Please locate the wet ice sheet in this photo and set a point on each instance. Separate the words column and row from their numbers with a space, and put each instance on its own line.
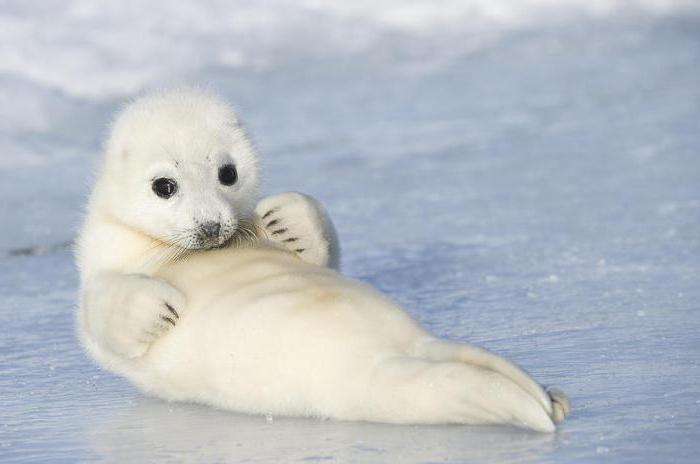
column 539, row 197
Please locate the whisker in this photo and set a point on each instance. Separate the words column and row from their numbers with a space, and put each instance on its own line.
column 177, row 244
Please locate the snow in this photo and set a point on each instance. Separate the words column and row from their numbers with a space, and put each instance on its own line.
column 521, row 175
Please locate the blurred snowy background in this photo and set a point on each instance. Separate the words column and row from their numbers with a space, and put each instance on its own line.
column 524, row 175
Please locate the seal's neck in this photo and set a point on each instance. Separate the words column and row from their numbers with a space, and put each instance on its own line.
column 115, row 246
column 118, row 247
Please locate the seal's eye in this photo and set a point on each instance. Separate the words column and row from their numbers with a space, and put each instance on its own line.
column 164, row 187
column 228, row 174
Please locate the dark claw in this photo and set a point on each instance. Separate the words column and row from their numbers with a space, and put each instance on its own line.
column 299, row 250
column 269, row 212
column 168, row 319
column 290, row 239
column 279, row 231
column 172, row 310
column 272, row 223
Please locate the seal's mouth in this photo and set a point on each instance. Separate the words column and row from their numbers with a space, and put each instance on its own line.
column 244, row 233
column 200, row 241
column 209, row 244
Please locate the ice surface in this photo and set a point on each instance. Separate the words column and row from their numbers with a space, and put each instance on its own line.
column 517, row 174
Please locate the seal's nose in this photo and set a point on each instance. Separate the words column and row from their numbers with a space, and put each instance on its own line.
column 211, row 229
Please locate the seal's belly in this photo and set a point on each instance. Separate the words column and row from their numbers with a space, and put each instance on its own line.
column 248, row 308
column 233, row 279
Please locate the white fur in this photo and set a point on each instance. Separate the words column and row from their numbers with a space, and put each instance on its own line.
column 255, row 328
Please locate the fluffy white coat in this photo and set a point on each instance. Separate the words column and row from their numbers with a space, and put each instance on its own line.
column 264, row 324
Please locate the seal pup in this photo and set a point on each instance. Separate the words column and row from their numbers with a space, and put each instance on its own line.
column 195, row 291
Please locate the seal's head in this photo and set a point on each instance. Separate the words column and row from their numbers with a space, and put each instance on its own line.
column 179, row 168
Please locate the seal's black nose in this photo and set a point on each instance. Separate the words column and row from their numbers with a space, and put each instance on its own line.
column 211, row 229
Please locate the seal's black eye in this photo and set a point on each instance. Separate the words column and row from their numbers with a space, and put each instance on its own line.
column 228, row 174
column 164, row 187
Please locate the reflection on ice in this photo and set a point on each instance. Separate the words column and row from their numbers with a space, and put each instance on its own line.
column 150, row 430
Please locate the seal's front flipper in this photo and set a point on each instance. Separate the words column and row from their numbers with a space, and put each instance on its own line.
column 126, row 313
column 299, row 223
